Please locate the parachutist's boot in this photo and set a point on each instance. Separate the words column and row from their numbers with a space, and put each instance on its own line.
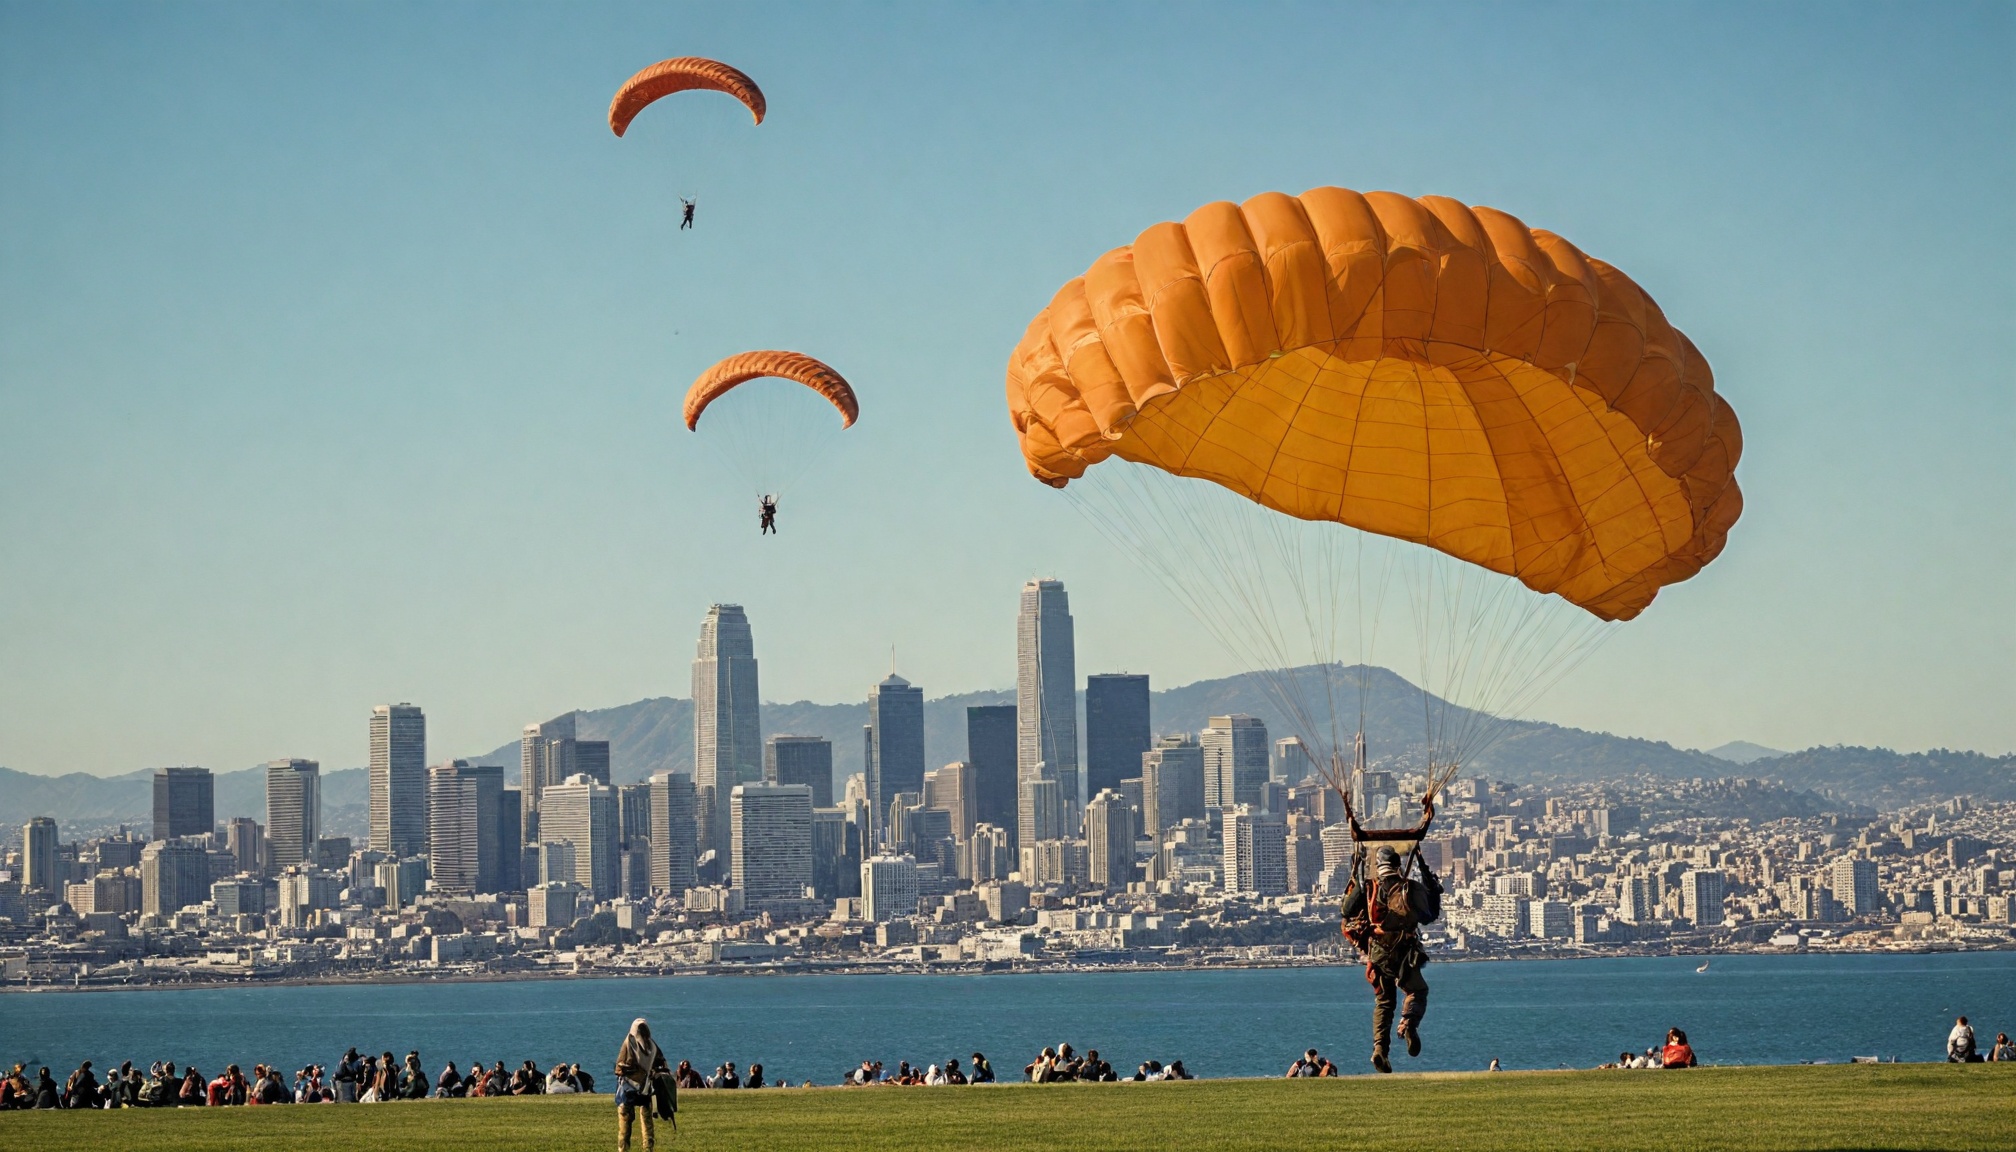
column 1410, row 1031
column 1379, row 1060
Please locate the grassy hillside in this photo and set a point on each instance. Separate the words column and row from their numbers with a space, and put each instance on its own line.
column 1908, row 1106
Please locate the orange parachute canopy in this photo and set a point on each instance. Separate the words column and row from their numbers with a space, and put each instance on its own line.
column 1413, row 368
column 681, row 75
column 794, row 366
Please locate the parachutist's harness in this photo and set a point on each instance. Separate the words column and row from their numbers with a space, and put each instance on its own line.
column 1386, row 935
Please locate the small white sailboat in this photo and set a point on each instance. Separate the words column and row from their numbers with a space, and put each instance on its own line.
column 1703, row 967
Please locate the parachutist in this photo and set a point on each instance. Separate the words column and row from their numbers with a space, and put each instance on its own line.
column 1384, row 918
column 686, row 212
column 768, row 507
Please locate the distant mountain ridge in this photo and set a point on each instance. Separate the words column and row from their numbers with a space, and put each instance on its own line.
column 656, row 735
column 1744, row 752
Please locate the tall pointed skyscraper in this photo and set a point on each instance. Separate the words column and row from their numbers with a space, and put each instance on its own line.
column 398, row 780
column 727, row 739
column 1046, row 697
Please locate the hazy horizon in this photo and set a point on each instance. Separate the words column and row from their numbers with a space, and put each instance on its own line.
column 341, row 348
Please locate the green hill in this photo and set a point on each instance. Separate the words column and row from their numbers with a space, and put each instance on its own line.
column 1914, row 1106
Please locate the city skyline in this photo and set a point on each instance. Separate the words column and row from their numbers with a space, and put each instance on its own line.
column 1858, row 600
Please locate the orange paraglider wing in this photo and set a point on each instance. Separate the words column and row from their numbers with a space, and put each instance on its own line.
column 683, row 74
column 793, row 366
column 1413, row 368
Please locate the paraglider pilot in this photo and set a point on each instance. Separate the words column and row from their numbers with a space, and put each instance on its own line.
column 686, row 208
column 1384, row 920
column 768, row 506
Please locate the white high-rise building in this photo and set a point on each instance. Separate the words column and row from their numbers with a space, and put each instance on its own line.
column 1256, row 852
column 546, row 756
column 1701, row 896
column 1172, row 784
column 1855, row 886
column 398, row 780
column 293, row 811
column 1109, row 840
column 727, row 736
column 771, row 840
column 888, row 888
column 1040, row 808
column 581, row 811
column 465, row 846
column 1046, row 695
column 673, row 832
column 1236, row 761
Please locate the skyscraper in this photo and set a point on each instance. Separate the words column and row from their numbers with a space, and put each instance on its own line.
column 949, row 789
column 546, row 755
column 836, row 854
column 293, row 812
column 1172, row 784
column 38, row 855
column 888, row 888
column 591, row 759
column 581, row 811
column 1109, row 840
column 673, row 834
column 727, row 739
column 245, row 840
column 1256, row 852
column 1236, row 757
column 1855, row 886
column 465, row 848
column 1701, row 897
column 1293, row 762
column 1116, row 729
column 510, row 818
column 398, row 780
column 184, row 803
column 896, row 740
column 1046, row 694
column 173, row 875
column 806, row 760
column 1041, row 815
column 990, row 753
column 771, row 840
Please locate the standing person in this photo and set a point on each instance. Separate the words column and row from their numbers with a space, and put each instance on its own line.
column 1678, row 1053
column 1959, row 1044
column 641, row 1073
column 347, row 1071
column 1384, row 920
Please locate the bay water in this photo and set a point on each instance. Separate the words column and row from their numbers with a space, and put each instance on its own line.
column 1745, row 1009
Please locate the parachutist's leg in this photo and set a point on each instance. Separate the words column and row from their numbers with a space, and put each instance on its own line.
column 1414, row 1009
column 1383, row 998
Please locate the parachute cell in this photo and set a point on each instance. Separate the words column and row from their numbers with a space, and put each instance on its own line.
column 684, row 74
column 1416, row 369
column 793, row 366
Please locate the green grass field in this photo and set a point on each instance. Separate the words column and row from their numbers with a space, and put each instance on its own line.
column 1923, row 1106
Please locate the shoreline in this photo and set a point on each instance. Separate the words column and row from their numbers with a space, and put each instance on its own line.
column 865, row 970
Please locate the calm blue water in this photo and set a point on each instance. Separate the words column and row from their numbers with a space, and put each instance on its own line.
column 1528, row 1014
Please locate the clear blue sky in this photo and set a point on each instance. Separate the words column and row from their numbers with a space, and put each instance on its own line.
column 341, row 346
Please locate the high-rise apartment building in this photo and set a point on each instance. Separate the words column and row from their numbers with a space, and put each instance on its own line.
column 1256, row 852
column 465, row 847
column 727, row 731
column 1634, row 901
column 1236, row 755
column 293, row 812
column 38, row 856
column 1046, row 692
column 895, row 740
column 1109, row 840
column 1116, row 729
column 184, row 803
column 806, row 760
column 990, row 754
column 771, row 841
column 581, row 811
column 888, row 888
column 398, row 780
column 673, row 833
column 1172, row 784
column 173, row 875
column 1855, row 886
column 1701, row 897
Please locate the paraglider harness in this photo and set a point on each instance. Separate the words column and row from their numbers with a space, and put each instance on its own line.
column 1385, row 935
